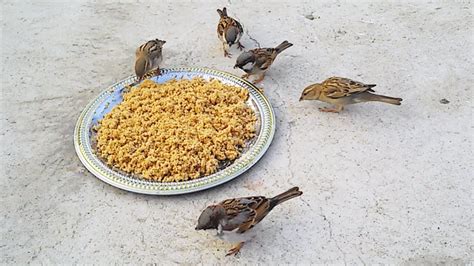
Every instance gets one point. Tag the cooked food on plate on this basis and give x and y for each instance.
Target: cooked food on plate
(176, 131)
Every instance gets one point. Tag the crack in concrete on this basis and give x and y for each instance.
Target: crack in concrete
(361, 260)
(246, 30)
(289, 141)
(331, 236)
(45, 99)
(288, 147)
(283, 102)
(251, 38)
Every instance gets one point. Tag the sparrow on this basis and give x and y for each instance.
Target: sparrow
(229, 31)
(236, 216)
(343, 91)
(258, 60)
(148, 56)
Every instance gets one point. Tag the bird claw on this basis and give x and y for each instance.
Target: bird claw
(240, 46)
(157, 71)
(227, 54)
(259, 79)
(329, 110)
(235, 250)
(244, 76)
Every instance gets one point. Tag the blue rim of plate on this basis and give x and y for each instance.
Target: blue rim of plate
(98, 107)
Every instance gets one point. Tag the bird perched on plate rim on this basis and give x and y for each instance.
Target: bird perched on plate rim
(148, 56)
(258, 60)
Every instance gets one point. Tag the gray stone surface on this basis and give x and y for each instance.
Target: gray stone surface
(382, 184)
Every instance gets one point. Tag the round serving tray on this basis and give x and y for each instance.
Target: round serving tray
(84, 136)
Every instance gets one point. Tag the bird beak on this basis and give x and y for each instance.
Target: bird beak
(301, 98)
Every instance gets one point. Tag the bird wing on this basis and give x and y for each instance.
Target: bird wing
(238, 25)
(151, 48)
(336, 87)
(235, 23)
(154, 48)
(244, 213)
(264, 57)
(221, 26)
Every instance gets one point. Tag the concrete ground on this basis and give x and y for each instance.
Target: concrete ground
(382, 183)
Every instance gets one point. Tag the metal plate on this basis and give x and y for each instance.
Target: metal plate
(84, 136)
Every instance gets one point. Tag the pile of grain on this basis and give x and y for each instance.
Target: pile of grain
(176, 131)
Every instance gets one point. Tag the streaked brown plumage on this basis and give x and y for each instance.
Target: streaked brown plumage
(241, 214)
(229, 31)
(148, 56)
(343, 91)
(258, 60)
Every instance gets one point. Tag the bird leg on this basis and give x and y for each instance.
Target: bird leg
(338, 109)
(226, 53)
(240, 46)
(235, 249)
(262, 76)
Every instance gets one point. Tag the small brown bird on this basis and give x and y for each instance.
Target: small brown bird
(343, 91)
(237, 216)
(148, 56)
(229, 31)
(258, 60)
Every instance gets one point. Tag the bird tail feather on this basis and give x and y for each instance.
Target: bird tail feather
(287, 195)
(223, 12)
(283, 46)
(383, 98)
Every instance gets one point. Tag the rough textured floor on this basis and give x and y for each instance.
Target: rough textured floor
(382, 183)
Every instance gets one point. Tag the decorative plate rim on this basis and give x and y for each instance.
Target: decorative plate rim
(242, 164)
